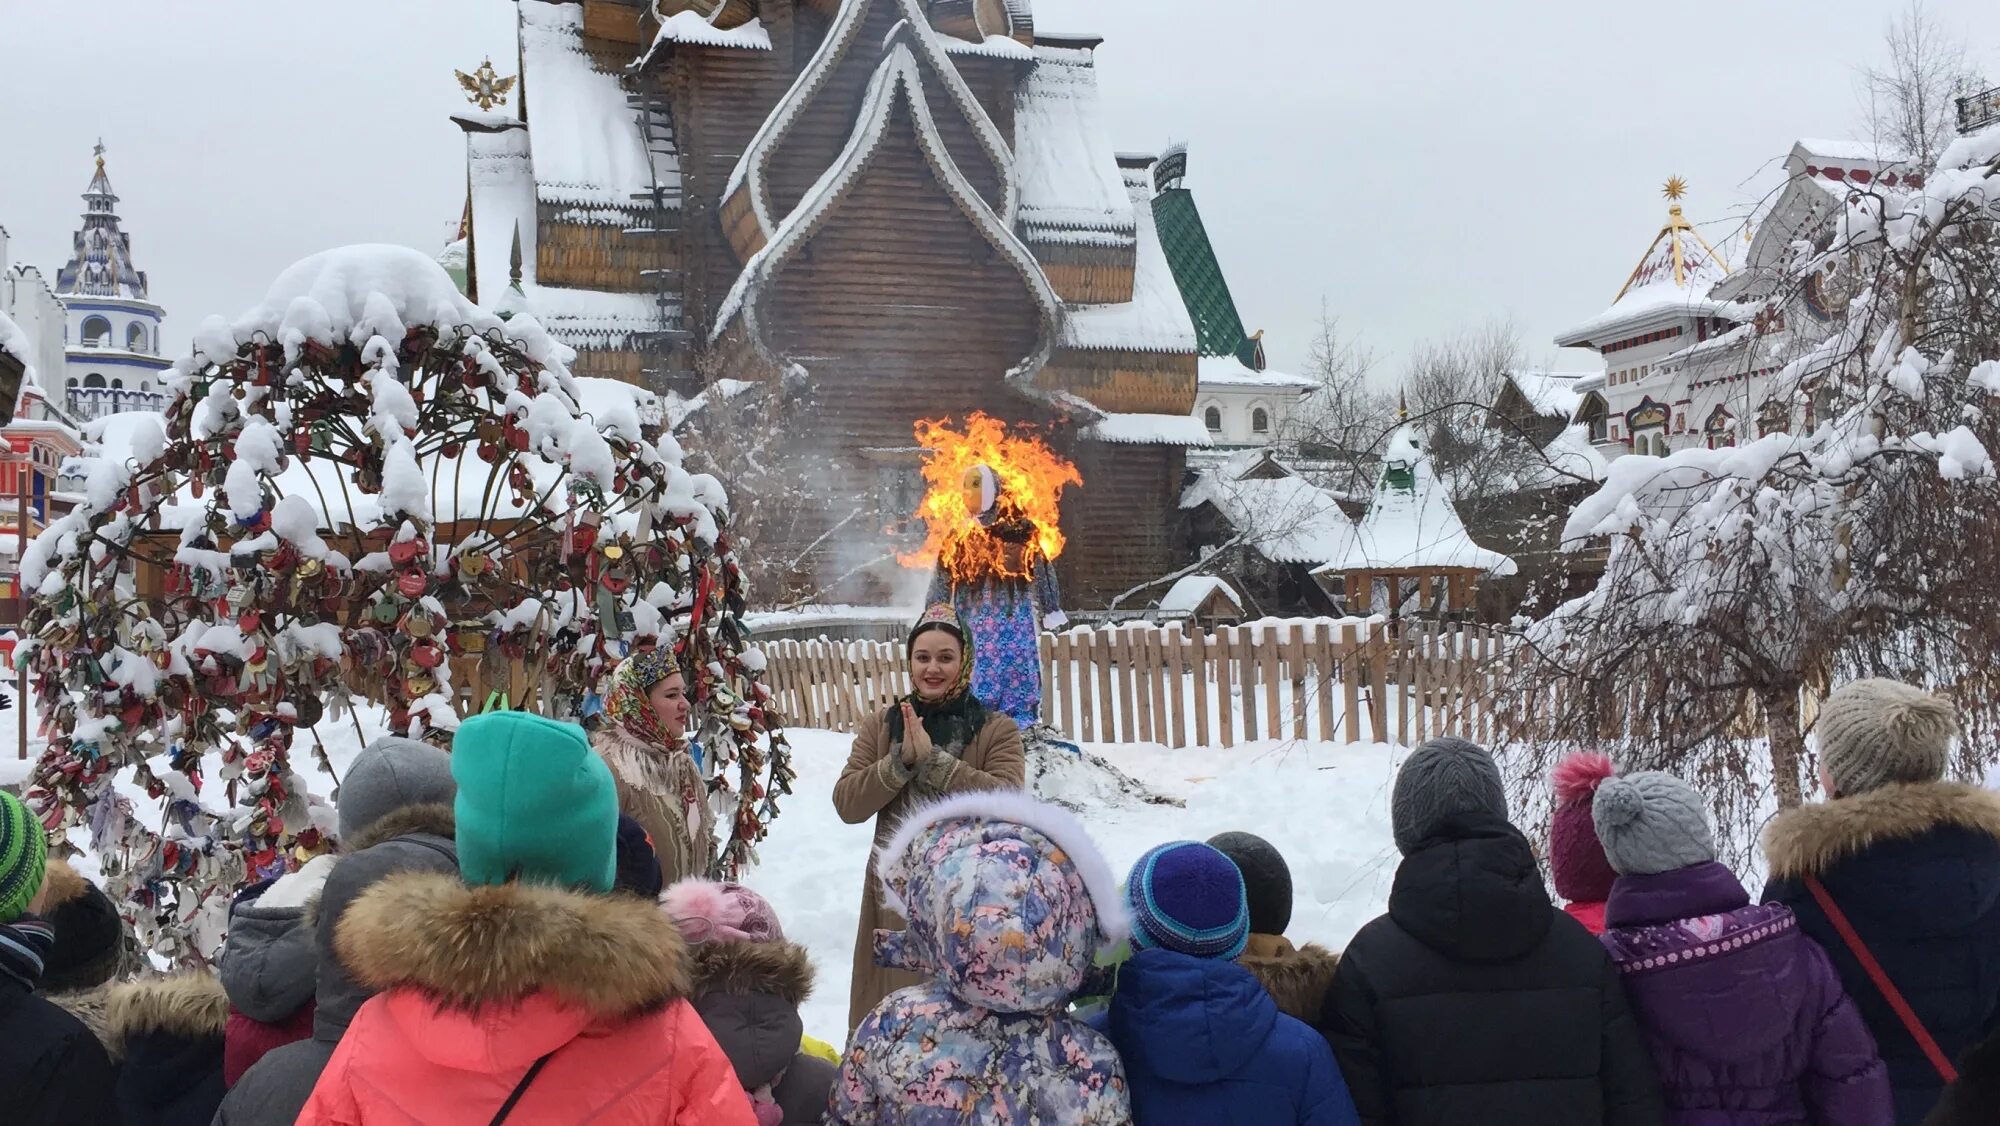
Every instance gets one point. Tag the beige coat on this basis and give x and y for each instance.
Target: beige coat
(651, 782)
(875, 783)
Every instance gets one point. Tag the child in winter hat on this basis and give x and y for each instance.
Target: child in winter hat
(1201, 1038)
(1739, 1009)
(1189, 898)
(1008, 904)
(748, 985)
(1582, 875)
(1444, 783)
(1296, 976)
(1876, 732)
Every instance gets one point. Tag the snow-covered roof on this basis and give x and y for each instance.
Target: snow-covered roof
(588, 150)
(1550, 393)
(1071, 189)
(1151, 430)
(991, 47)
(1286, 520)
(1413, 525)
(1672, 279)
(13, 341)
(1187, 595)
(1568, 459)
(690, 28)
(592, 318)
(1228, 371)
(500, 175)
(1874, 151)
(1156, 319)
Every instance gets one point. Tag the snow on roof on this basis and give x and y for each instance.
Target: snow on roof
(1872, 151)
(1413, 526)
(1551, 393)
(348, 295)
(1188, 595)
(992, 47)
(500, 174)
(1286, 520)
(13, 341)
(592, 318)
(1228, 371)
(1156, 319)
(1673, 277)
(1071, 189)
(690, 28)
(1151, 430)
(1568, 459)
(587, 145)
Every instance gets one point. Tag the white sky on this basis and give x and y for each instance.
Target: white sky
(1419, 167)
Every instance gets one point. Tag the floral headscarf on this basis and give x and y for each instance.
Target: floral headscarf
(630, 705)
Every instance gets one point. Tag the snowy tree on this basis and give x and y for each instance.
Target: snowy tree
(1751, 575)
(361, 485)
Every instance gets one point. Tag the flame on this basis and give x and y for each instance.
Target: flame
(1031, 478)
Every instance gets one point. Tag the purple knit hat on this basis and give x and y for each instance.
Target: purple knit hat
(1576, 858)
(707, 911)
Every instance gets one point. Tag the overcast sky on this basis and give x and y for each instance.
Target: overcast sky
(1419, 168)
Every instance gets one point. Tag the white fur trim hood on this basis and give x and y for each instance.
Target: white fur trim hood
(1114, 919)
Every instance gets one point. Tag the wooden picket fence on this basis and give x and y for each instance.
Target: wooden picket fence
(1284, 679)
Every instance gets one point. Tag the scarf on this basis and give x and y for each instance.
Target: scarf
(954, 719)
(629, 704)
(25, 945)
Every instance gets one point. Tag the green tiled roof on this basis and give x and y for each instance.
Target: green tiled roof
(1217, 325)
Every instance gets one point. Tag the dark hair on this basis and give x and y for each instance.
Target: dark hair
(910, 647)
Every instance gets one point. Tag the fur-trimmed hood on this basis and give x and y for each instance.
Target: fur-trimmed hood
(63, 884)
(1297, 978)
(1008, 901)
(782, 969)
(1812, 839)
(471, 948)
(190, 1006)
(434, 818)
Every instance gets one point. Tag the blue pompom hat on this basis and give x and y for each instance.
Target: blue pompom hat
(1189, 897)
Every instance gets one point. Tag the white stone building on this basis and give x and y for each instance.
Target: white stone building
(114, 360)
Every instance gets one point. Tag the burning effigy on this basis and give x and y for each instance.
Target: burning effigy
(992, 518)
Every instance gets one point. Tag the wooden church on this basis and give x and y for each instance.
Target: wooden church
(900, 209)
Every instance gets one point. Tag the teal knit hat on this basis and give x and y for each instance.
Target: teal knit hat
(534, 803)
(24, 856)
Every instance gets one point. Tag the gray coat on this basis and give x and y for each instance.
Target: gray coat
(273, 1092)
(748, 994)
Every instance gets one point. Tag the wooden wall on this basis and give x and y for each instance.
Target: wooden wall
(1133, 382)
(1121, 527)
(597, 255)
(1087, 275)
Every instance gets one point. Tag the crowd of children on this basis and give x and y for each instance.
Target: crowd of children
(495, 944)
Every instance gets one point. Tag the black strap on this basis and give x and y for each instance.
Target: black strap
(520, 1089)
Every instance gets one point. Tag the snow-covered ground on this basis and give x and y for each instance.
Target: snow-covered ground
(1326, 806)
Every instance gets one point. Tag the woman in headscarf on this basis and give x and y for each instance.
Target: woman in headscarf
(940, 739)
(656, 766)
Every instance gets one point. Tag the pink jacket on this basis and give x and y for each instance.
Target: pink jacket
(480, 982)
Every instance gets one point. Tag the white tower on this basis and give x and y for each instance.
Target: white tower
(113, 360)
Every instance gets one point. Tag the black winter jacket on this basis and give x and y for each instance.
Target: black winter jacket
(53, 1071)
(1475, 1001)
(167, 1033)
(1916, 870)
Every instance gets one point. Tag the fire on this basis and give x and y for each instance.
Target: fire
(1025, 524)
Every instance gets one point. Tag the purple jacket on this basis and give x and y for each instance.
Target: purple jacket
(1747, 1021)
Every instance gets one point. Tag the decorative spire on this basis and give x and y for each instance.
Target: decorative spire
(1402, 406)
(514, 261)
(1675, 189)
(100, 263)
(1679, 254)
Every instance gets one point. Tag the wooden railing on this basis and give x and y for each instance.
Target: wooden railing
(1284, 679)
